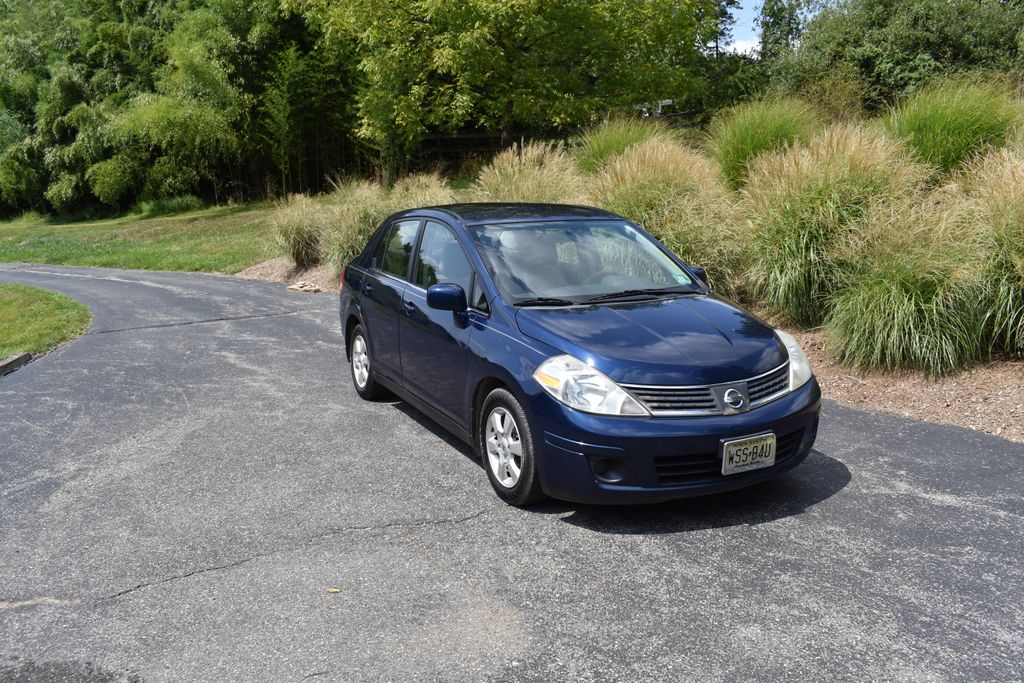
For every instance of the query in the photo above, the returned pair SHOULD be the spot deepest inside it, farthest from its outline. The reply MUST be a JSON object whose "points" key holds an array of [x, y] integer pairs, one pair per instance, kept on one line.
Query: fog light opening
{"points": [[609, 470]]}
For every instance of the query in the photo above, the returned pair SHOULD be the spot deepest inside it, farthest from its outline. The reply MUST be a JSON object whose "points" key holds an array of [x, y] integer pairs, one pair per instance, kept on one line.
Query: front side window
{"points": [[577, 261], [399, 248], [442, 260]]}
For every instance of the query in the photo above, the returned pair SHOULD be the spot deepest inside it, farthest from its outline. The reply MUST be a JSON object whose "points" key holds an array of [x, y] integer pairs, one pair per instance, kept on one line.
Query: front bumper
{"points": [[587, 458]]}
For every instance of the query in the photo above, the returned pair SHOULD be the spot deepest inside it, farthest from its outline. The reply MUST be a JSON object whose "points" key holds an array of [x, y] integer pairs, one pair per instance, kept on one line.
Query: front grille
{"points": [[707, 399], [766, 385], [675, 398], [699, 468]]}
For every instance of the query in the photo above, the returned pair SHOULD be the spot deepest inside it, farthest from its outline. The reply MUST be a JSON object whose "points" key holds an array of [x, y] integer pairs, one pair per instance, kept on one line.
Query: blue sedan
{"points": [[579, 358]]}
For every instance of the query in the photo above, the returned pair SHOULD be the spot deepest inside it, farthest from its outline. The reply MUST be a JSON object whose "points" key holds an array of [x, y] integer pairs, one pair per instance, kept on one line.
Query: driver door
{"points": [[434, 343]]}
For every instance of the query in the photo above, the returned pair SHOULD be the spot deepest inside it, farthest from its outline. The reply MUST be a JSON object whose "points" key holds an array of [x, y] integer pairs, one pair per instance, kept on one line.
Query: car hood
{"points": [[677, 341]]}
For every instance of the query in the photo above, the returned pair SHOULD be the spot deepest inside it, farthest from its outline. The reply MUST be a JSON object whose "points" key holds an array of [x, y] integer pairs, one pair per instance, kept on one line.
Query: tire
{"points": [[503, 430], [361, 367]]}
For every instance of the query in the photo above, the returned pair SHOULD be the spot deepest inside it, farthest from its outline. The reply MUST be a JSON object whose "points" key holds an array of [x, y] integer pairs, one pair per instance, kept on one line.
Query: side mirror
{"points": [[447, 297], [700, 272]]}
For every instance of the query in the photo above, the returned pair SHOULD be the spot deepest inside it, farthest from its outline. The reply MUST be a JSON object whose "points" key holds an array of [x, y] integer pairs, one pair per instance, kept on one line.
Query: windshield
{"points": [[575, 261]]}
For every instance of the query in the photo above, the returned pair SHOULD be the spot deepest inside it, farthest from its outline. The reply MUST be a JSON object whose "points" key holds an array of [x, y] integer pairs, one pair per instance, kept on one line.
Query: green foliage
{"points": [[115, 179], [806, 204], [891, 47], [743, 132], [612, 137], [206, 98], [780, 23], [63, 192], [500, 65], [169, 206], [34, 321], [22, 180], [949, 122]]}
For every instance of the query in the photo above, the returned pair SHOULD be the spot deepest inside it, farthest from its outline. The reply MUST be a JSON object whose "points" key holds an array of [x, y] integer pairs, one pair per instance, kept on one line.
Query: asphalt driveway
{"points": [[180, 487]]}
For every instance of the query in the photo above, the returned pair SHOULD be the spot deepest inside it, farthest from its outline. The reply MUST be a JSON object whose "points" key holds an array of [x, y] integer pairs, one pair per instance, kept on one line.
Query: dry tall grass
{"points": [[997, 185], [530, 172], [335, 228], [740, 134], [805, 203], [909, 298], [613, 137], [298, 222]]}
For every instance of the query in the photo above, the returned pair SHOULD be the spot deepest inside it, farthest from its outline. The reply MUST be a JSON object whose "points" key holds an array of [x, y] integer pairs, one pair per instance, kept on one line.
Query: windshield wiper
{"points": [[626, 293], [544, 301]]}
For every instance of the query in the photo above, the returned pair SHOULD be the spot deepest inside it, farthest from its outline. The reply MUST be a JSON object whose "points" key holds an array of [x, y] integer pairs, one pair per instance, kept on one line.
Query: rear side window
{"points": [[398, 248]]}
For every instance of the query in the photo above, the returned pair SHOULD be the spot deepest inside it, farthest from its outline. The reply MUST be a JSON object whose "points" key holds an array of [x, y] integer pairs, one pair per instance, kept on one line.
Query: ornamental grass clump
{"points": [[358, 207], [949, 122], [298, 222], [742, 133], [910, 301], [996, 184], [806, 203], [529, 172], [679, 196], [613, 137]]}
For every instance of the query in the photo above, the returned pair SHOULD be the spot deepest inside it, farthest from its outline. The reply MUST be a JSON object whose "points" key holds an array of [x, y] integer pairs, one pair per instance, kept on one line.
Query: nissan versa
{"points": [[580, 358]]}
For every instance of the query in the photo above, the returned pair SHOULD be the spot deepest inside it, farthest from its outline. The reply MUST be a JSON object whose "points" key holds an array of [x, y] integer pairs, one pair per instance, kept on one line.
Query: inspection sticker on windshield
{"points": [[748, 453]]}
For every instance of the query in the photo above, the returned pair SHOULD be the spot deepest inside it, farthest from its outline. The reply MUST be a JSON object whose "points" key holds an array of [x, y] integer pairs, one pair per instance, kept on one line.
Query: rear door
{"points": [[382, 290], [434, 343]]}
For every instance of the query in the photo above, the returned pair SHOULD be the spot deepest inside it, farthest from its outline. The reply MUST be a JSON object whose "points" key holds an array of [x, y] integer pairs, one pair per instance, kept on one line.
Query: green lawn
{"points": [[34, 321], [224, 239]]}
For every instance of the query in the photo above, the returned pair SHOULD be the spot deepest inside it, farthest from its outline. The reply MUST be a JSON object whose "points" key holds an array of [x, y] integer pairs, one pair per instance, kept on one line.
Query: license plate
{"points": [[748, 453]]}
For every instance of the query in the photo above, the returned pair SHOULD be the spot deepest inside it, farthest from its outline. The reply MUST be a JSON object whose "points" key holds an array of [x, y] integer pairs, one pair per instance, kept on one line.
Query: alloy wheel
{"points": [[504, 447], [360, 362]]}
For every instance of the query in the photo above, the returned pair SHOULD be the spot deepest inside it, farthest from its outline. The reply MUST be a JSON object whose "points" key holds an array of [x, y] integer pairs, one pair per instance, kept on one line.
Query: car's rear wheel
{"points": [[362, 367], [506, 448]]}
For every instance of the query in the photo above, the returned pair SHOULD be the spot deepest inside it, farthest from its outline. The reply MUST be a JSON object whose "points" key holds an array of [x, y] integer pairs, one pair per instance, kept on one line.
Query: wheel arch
{"points": [[350, 325]]}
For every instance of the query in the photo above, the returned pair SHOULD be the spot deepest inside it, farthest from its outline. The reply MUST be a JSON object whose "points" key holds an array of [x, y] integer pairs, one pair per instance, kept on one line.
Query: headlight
{"points": [[799, 367], [582, 387]]}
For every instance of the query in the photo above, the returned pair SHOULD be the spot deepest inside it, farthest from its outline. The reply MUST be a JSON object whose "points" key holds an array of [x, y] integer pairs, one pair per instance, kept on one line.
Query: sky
{"points": [[744, 32]]}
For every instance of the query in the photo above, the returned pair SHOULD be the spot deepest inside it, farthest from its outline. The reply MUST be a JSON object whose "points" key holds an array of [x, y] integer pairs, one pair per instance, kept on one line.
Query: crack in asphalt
{"points": [[50, 601], [184, 323]]}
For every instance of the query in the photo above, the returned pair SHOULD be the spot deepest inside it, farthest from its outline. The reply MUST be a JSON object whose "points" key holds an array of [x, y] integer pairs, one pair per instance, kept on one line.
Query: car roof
{"points": [[509, 212]]}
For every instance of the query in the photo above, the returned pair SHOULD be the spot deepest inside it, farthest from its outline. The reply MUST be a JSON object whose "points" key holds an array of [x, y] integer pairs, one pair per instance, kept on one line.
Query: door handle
{"points": [[410, 308], [367, 289]]}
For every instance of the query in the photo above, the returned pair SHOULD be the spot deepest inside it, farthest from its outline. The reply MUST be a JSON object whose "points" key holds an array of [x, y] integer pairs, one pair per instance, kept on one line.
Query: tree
{"points": [[780, 24], [886, 48], [499, 66]]}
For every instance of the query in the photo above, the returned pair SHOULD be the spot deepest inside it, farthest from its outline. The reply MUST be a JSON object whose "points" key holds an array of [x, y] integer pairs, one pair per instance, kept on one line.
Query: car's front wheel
{"points": [[506, 448], [361, 367]]}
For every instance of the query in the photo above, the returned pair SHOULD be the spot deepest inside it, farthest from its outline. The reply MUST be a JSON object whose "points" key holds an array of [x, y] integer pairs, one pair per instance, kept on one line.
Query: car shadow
{"points": [[816, 479], [435, 429]]}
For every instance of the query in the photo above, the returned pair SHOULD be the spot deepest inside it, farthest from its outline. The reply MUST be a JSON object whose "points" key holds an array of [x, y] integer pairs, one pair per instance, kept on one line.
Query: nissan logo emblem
{"points": [[733, 398]]}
